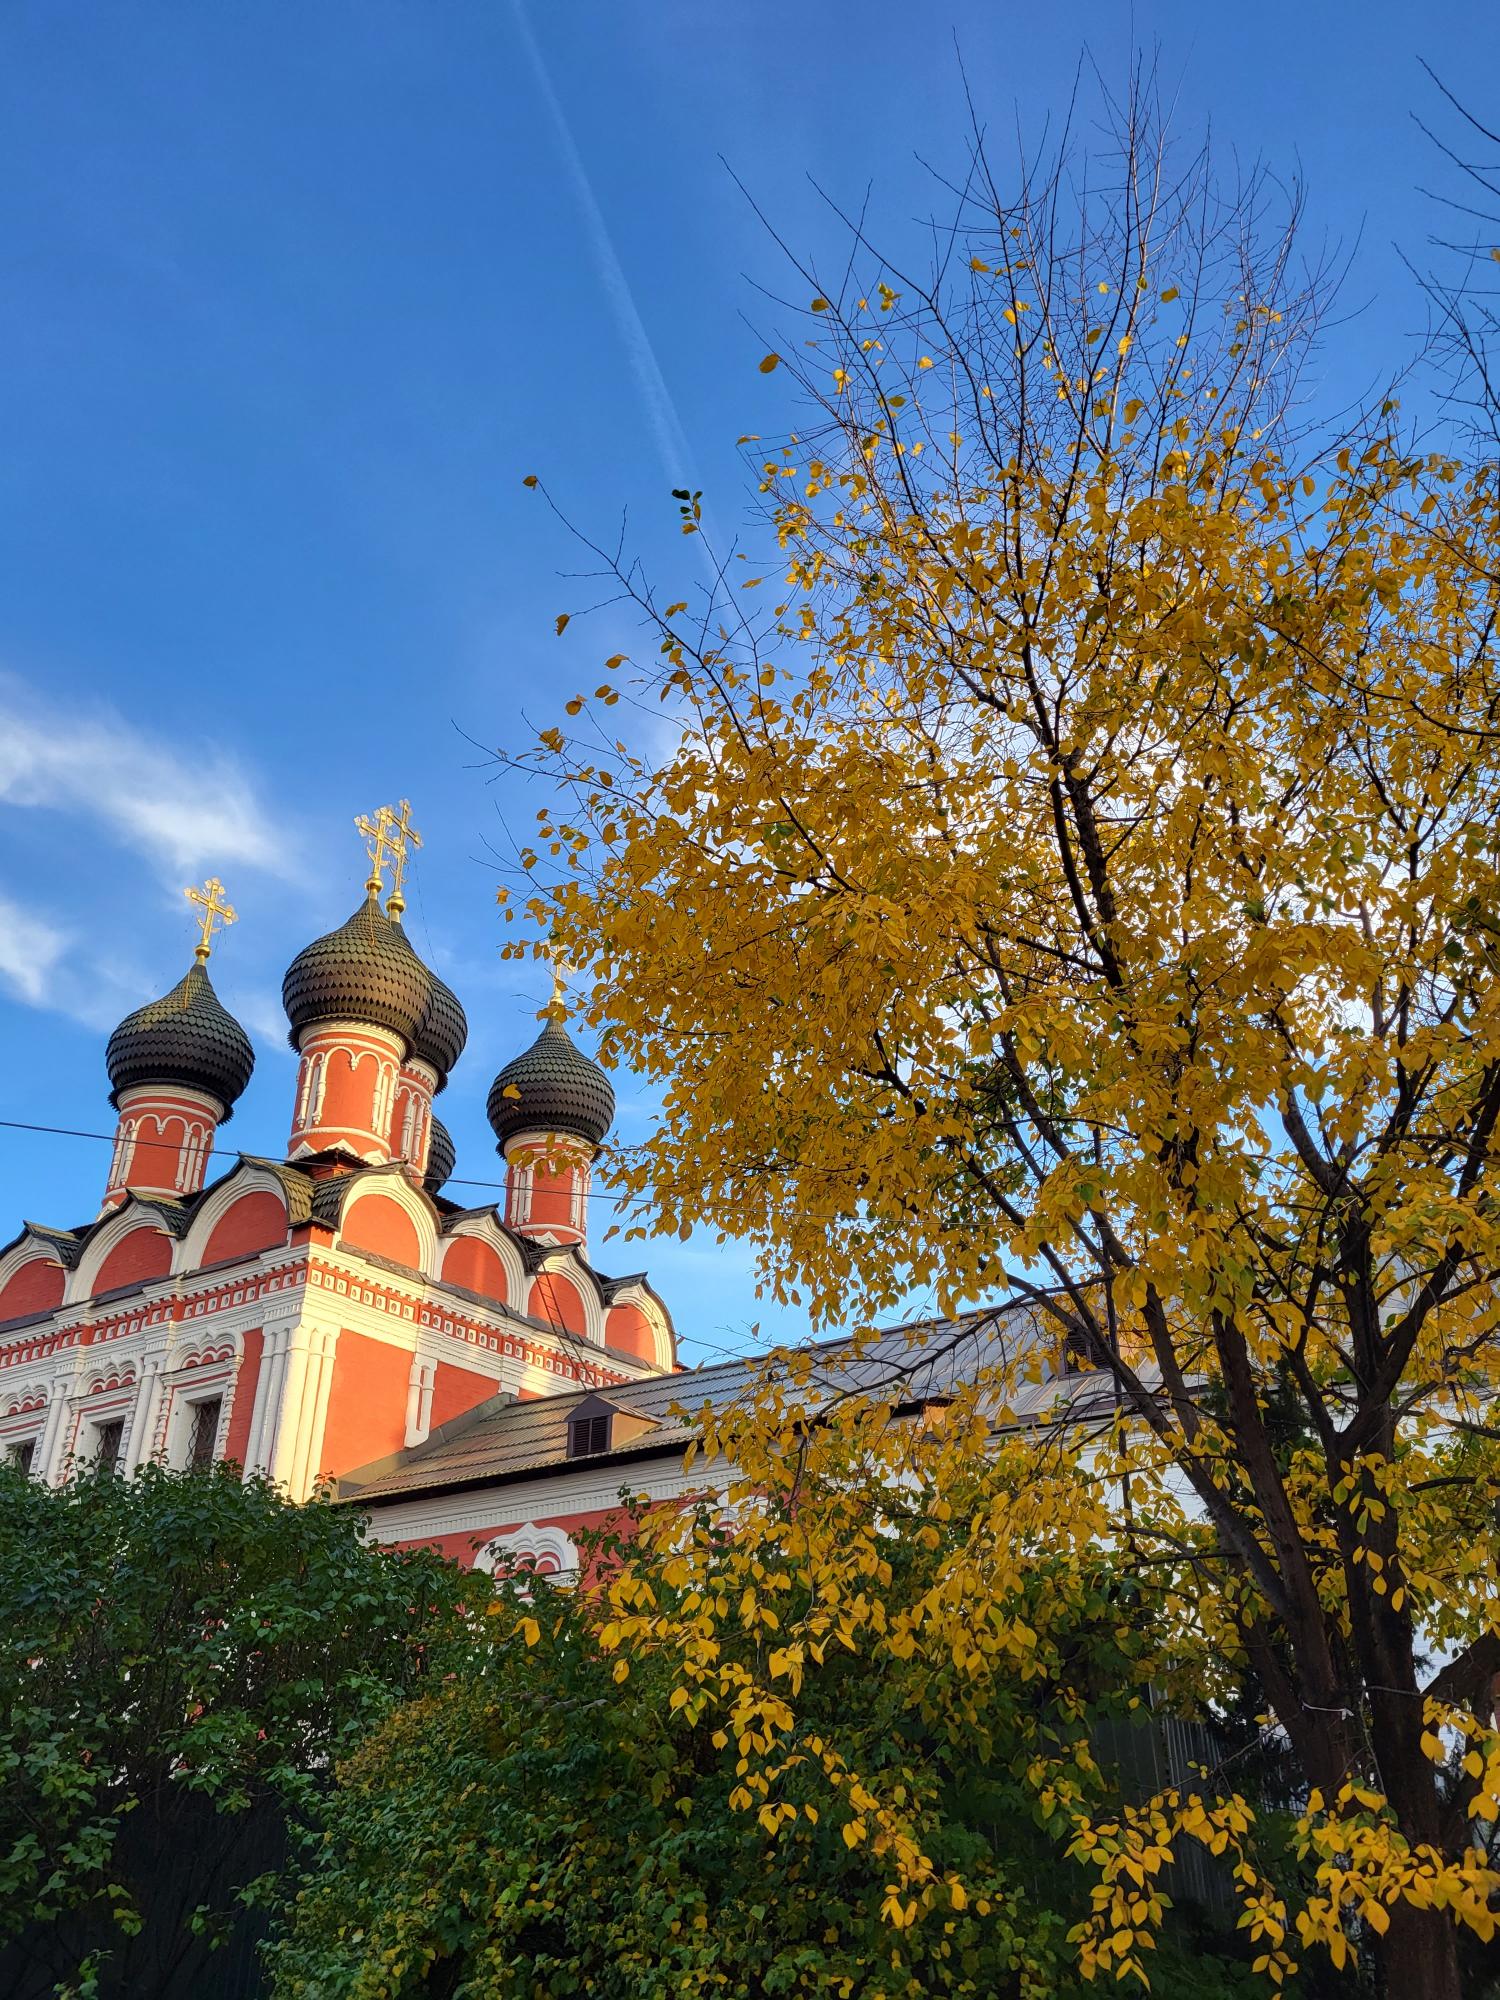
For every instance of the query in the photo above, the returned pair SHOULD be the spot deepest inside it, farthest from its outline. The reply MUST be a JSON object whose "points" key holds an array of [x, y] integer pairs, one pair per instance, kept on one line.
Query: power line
{"points": [[454, 1180], [576, 1344]]}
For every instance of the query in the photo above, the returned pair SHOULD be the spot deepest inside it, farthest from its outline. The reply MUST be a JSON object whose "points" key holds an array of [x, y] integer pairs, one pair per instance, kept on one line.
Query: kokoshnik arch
{"points": [[305, 1316]]}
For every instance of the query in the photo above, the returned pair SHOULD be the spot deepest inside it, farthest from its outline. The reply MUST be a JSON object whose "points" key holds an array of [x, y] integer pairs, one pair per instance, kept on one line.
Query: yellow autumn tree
{"points": [[1080, 884]]}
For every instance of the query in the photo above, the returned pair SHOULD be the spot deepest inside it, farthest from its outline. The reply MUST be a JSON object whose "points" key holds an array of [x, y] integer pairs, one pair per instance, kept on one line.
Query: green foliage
{"points": [[557, 1819], [181, 1654]]}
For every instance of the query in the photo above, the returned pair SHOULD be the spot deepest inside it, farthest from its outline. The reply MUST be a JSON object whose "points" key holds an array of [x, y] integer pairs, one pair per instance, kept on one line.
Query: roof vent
{"points": [[596, 1425]]}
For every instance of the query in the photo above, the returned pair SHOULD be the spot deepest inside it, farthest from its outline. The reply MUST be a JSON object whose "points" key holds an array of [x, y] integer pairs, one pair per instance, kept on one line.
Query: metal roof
{"points": [[921, 1362]]}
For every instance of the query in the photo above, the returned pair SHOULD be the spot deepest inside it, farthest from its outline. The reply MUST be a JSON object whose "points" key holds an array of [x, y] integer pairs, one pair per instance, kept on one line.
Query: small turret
{"points": [[176, 1067], [550, 1108]]}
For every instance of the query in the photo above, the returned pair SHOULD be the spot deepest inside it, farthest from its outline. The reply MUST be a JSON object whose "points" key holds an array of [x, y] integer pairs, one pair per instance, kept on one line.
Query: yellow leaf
{"points": [[562, 622], [771, 361], [530, 1631], [529, 480]]}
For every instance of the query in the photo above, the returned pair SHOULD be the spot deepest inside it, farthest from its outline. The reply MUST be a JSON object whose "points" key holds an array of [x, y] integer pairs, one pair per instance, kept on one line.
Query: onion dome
{"points": [[440, 1157], [364, 971], [552, 1087], [444, 1027], [442, 1030], [188, 1038]]}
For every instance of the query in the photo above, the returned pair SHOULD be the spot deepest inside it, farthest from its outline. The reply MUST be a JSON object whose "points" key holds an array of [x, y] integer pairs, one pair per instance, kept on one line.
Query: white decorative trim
{"points": [[665, 1357], [548, 1550], [488, 1513], [22, 1399], [239, 1182], [131, 1215], [422, 1382], [488, 1230], [406, 1198]]}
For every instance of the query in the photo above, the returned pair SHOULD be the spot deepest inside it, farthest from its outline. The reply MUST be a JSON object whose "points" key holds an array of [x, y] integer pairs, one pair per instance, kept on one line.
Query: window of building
{"points": [[108, 1439], [586, 1435], [23, 1456], [203, 1433]]}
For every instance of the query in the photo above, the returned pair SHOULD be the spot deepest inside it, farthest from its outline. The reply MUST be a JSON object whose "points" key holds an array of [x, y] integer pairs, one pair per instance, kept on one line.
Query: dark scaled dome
{"points": [[552, 1087], [442, 1030], [444, 1027], [187, 1037], [440, 1157], [364, 971]]}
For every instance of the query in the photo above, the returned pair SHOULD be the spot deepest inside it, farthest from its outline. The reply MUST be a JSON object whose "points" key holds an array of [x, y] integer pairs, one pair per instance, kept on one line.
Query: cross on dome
{"points": [[404, 836], [217, 915], [388, 831], [376, 828]]}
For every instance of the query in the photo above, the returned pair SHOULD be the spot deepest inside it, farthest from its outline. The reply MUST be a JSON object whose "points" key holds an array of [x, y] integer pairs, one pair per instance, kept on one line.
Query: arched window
{"points": [[547, 1552]]}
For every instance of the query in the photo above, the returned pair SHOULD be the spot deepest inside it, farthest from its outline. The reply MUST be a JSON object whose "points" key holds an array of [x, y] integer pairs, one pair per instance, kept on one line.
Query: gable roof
{"points": [[922, 1362]]}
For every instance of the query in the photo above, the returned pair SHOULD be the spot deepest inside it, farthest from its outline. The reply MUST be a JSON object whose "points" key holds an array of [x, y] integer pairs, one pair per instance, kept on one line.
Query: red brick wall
{"points": [[478, 1267], [36, 1287], [367, 1402], [377, 1223], [257, 1221], [456, 1390], [244, 1390], [144, 1253], [627, 1327], [555, 1301]]}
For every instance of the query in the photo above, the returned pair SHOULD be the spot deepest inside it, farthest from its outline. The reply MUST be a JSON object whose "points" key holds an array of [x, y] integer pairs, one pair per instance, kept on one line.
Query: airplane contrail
{"points": [[661, 412]]}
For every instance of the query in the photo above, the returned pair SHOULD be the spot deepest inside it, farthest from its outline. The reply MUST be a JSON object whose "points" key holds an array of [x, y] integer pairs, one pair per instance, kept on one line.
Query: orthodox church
{"points": [[332, 1309]]}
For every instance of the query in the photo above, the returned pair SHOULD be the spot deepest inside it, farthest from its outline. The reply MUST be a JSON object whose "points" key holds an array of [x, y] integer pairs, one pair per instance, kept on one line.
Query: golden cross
{"points": [[559, 979], [404, 836], [376, 829], [217, 915]]}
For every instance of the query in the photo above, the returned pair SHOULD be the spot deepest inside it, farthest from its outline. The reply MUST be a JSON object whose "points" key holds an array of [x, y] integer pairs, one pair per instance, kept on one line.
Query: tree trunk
{"points": [[1419, 1956]]}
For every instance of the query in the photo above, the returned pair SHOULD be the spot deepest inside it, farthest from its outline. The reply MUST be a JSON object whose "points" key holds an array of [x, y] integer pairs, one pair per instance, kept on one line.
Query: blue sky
{"points": [[295, 296]]}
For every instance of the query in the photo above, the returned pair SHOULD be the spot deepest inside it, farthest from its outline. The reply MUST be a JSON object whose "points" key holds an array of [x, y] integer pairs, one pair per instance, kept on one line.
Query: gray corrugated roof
{"points": [[918, 1362]]}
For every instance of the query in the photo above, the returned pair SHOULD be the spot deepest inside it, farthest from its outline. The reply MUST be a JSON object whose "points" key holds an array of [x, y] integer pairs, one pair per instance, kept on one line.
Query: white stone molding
{"points": [[639, 1296], [394, 1188], [183, 1393], [100, 1398], [487, 1229], [548, 1550], [26, 1412], [419, 1398], [140, 1432], [537, 1501], [265, 1410], [298, 1439], [132, 1214], [45, 1464], [239, 1182], [20, 1399], [30, 1250]]}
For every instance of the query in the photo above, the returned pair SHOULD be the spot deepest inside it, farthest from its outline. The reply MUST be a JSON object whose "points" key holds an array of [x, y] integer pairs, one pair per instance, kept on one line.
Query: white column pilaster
{"points": [[304, 1402], [59, 1407], [264, 1399], [143, 1414], [318, 1385]]}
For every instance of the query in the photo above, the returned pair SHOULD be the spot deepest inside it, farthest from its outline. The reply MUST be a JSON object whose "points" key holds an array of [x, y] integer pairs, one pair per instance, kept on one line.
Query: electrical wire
{"points": [[576, 1344]]}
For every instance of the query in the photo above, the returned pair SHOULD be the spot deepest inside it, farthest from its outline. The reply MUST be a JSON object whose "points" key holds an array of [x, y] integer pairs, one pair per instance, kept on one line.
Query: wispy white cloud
{"points": [[183, 807], [661, 411], [31, 950]]}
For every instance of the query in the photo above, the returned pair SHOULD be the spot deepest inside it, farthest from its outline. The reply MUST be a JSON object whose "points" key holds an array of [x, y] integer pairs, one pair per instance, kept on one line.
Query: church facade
{"points": [[315, 1313]]}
